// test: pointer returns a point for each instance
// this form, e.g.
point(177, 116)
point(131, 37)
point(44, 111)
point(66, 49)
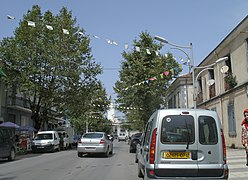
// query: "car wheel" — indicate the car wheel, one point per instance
point(140, 175)
point(12, 155)
point(106, 154)
point(111, 152)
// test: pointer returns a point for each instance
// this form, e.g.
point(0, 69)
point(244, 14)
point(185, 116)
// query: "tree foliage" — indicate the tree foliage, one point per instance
point(53, 70)
point(142, 83)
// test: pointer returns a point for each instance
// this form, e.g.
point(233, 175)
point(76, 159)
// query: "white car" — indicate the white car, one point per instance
point(122, 137)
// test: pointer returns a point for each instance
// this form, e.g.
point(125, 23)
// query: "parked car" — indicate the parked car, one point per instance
point(46, 141)
point(7, 143)
point(135, 139)
point(183, 143)
point(95, 143)
point(75, 139)
point(122, 137)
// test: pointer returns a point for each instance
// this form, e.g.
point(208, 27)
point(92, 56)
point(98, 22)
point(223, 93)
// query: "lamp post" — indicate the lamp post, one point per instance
point(204, 68)
point(190, 57)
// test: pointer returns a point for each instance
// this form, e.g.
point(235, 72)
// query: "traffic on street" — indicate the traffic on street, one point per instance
point(66, 165)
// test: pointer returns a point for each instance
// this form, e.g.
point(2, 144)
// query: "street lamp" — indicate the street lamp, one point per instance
point(204, 68)
point(179, 47)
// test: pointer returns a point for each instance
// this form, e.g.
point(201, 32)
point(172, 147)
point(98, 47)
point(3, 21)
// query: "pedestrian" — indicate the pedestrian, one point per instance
point(244, 133)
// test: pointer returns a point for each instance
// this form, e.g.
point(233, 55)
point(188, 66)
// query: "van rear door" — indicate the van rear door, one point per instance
point(210, 150)
point(176, 154)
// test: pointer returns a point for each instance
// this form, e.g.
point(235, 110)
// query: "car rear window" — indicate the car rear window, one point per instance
point(178, 129)
point(207, 130)
point(93, 135)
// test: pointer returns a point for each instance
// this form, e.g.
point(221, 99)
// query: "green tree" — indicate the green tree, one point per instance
point(48, 66)
point(144, 77)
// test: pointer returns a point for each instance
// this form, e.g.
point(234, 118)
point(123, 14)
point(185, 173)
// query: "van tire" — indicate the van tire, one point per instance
point(140, 175)
point(12, 155)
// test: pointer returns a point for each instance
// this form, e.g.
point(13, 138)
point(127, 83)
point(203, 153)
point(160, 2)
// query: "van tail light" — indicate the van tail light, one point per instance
point(223, 146)
point(102, 141)
point(153, 147)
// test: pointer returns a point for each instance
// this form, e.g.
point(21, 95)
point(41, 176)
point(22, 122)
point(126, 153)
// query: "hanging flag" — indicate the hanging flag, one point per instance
point(10, 17)
point(166, 73)
point(161, 75)
point(49, 27)
point(65, 31)
point(137, 48)
point(96, 37)
point(81, 33)
point(126, 46)
point(152, 78)
point(109, 41)
point(31, 23)
point(148, 51)
point(115, 43)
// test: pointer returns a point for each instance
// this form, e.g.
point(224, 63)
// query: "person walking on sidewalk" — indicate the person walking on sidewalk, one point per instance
point(244, 133)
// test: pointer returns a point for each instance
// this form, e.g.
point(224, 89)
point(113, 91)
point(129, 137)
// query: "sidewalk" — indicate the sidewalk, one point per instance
point(236, 159)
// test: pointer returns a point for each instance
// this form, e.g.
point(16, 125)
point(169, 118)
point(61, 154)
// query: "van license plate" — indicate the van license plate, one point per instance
point(176, 155)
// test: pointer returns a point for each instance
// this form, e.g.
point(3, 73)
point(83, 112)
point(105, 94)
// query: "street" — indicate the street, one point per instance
point(65, 165)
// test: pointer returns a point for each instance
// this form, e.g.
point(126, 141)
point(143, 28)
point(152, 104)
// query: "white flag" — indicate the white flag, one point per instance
point(148, 51)
point(137, 48)
point(115, 43)
point(65, 31)
point(31, 23)
point(81, 33)
point(126, 46)
point(10, 17)
point(49, 27)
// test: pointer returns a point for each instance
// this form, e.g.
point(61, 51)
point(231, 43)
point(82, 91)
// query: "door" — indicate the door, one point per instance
point(210, 153)
point(176, 154)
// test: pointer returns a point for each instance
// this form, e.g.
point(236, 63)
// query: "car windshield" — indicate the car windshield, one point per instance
point(44, 136)
point(93, 135)
point(177, 129)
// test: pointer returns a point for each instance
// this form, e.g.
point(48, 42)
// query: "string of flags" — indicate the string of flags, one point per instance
point(161, 75)
point(108, 41)
point(119, 107)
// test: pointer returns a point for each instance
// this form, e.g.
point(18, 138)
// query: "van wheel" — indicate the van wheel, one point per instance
point(12, 155)
point(140, 175)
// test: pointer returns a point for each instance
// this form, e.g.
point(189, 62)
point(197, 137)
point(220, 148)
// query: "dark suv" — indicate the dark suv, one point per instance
point(7, 143)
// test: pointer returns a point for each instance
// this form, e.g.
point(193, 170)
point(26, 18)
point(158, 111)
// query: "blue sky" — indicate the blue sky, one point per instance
point(205, 23)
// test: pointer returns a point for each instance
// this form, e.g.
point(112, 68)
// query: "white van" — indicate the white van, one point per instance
point(46, 141)
point(183, 144)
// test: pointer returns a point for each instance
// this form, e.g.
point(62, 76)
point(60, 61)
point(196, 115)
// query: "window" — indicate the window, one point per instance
point(231, 120)
point(148, 133)
point(207, 130)
point(177, 129)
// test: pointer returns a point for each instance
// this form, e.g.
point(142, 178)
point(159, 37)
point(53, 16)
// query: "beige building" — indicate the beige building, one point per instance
point(221, 85)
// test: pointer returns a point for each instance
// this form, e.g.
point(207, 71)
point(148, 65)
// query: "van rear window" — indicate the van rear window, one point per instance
point(207, 130)
point(178, 129)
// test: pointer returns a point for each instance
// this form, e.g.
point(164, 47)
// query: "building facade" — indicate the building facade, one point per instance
point(223, 85)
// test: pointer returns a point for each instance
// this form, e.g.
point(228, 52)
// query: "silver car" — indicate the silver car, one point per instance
point(95, 143)
point(183, 144)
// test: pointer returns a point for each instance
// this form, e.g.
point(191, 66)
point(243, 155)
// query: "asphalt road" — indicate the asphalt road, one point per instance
point(65, 165)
